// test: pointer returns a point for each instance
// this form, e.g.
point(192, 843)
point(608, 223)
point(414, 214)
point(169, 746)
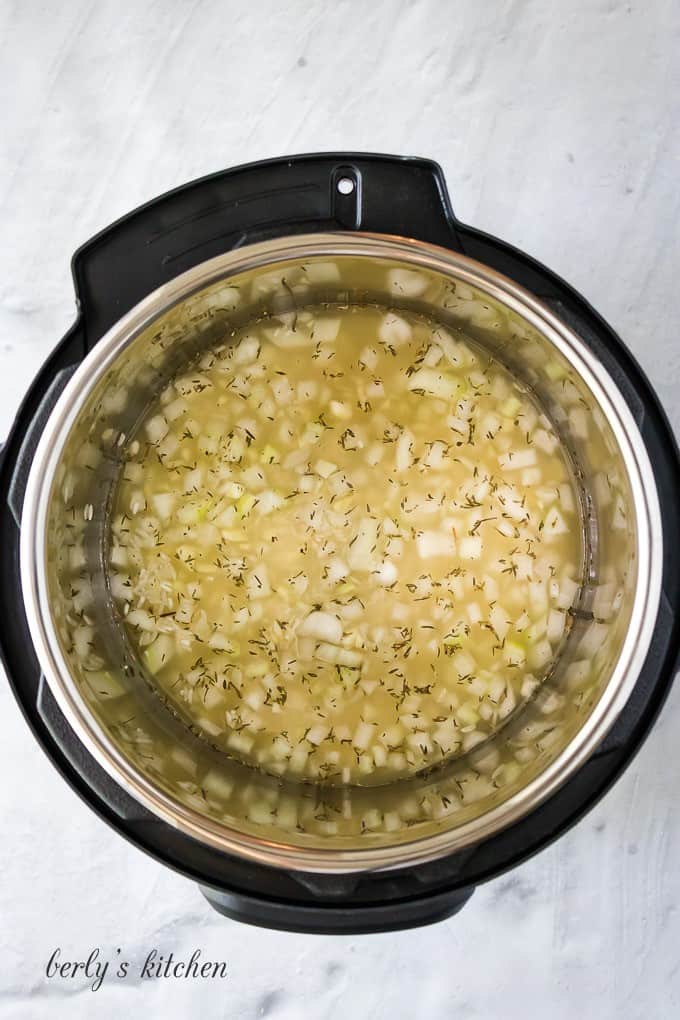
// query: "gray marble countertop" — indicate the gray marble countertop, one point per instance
point(558, 127)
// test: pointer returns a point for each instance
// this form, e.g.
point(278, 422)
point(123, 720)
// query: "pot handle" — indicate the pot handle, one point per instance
point(337, 918)
point(298, 194)
point(16, 454)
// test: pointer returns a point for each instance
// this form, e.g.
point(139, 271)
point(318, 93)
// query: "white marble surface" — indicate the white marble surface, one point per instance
point(558, 129)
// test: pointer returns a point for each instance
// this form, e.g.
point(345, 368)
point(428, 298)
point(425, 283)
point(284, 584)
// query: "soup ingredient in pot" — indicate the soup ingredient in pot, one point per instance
point(345, 545)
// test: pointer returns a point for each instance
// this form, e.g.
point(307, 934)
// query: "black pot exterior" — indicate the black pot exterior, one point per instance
point(152, 245)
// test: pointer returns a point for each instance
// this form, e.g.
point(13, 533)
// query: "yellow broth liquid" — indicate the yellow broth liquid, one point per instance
point(345, 544)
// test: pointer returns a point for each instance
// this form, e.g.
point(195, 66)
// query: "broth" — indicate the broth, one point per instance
point(345, 544)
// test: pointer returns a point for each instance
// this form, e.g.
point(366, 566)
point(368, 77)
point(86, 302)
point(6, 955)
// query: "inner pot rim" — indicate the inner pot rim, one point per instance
point(649, 550)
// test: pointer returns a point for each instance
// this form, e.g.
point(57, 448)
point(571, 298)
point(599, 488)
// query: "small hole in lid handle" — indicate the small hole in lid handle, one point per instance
point(345, 185)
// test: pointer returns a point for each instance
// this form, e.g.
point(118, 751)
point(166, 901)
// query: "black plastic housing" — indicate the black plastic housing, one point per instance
point(162, 239)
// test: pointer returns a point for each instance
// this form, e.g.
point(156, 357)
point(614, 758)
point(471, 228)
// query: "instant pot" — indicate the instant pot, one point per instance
point(153, 290)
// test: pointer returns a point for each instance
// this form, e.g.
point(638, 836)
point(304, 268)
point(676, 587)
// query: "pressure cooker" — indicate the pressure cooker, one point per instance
point(152, 290)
